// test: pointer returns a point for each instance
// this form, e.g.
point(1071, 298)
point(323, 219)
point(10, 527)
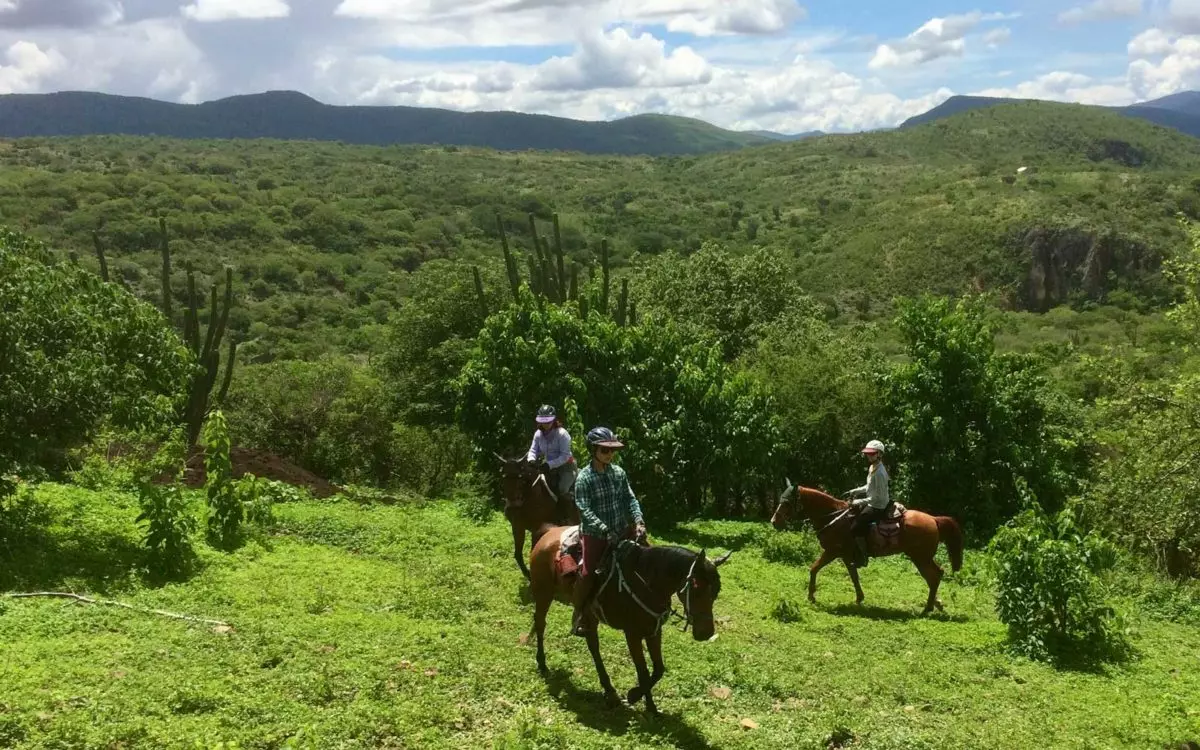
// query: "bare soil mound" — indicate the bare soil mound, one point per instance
point(263, 464)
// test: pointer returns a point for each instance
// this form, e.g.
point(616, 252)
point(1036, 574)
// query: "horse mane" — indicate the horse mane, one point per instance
point(823, 496)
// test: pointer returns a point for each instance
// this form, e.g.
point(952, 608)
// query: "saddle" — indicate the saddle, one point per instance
point(570, 552)
point(884, 533)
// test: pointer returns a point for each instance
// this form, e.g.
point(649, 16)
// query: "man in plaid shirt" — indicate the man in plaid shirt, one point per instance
point(608, 511)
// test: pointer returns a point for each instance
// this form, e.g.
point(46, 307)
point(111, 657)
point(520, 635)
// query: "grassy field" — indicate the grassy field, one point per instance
point(403, 627)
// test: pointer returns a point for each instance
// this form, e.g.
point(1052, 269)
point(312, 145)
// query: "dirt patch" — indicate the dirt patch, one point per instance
point(263, 464)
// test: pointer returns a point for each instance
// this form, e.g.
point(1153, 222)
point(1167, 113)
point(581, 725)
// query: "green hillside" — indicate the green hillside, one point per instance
point(291, 115)
point(325, 235)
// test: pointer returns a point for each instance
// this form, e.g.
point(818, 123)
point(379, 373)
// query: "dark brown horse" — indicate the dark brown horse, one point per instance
point(529, 504)
point(918, 537)
point(654, 575)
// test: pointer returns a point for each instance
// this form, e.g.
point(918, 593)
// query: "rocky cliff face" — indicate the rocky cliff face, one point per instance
point(1067, 263)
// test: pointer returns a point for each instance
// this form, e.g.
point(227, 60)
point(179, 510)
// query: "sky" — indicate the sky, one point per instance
point(778, 65)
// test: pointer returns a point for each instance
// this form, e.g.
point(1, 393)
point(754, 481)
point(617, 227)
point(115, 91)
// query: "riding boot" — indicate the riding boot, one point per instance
point(584, 621)
point(860, 545)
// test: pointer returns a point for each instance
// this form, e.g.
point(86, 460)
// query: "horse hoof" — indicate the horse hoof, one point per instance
point(612, 699)
point(633, 696)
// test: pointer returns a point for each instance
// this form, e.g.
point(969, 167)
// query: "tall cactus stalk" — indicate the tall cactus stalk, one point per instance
point(562, 271)
point(100, 255)
point(207, 354)
point(510, 265)
point(623, 304)
point(164, 247)
point(604, 280)
point(483, 308)
point(573, 292)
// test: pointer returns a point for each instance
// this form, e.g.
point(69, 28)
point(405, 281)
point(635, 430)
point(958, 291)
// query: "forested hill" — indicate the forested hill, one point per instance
point(329, 239)
point(1179, 111)
point(290, 115)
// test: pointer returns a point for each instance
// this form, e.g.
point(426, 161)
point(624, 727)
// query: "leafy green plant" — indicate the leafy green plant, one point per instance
point(165, 513)
point(225, 508)
point(257, 498)
point(1050, 596)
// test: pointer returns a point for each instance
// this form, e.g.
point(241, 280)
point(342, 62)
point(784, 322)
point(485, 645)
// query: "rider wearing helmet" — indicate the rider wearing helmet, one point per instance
point(608, 512)
point(872, 500)
point(553, 443)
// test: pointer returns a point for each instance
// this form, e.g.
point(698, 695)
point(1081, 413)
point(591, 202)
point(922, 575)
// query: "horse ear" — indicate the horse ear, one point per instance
point(700, 556)
point(722, 559)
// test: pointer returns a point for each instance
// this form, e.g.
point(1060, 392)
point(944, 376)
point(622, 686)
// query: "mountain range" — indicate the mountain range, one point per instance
point(289, 115)
point(1180, 111)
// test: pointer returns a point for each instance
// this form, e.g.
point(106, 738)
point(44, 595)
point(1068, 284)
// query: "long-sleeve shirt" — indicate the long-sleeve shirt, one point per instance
point(876, 489)
point(554, 444)
point(606, 501)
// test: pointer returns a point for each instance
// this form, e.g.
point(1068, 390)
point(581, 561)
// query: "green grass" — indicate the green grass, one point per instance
point(402, 627)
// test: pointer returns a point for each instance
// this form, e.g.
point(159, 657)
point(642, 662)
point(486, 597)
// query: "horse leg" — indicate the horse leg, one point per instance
point(539, 625)
point(853, 571)
point(644, 680)
point(610, 693)
point(932, 572)
point(518, 532)
point(825, 558)
point(654, 646)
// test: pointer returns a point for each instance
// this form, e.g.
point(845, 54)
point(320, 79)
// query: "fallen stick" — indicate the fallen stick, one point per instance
point(88, 600)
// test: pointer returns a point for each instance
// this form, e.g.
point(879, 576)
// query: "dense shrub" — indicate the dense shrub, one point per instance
point(1050, 596)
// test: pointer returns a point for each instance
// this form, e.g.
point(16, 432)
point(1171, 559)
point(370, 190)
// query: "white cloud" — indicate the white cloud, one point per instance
point(225, 10)
point(1064, 86)
point(1165, 63)
point(1183, 16)
point(617, 60)
point(997, 37)
point(27, 65)
point(936, 38)
point(1101, 10)
point(740, 17)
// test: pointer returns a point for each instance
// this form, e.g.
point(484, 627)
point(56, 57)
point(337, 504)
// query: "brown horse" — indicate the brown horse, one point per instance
point(634, 595)
point(529, 504)
point(918, 537)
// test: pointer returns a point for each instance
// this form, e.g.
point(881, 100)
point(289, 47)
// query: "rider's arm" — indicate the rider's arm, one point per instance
point(535, 448)
point(585, 494)
point(635, 508)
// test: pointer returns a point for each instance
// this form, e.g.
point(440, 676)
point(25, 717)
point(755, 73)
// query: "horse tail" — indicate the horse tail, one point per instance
point(951, 534)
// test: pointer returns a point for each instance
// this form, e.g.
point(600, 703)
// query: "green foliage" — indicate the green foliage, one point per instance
point(329, 416)
point(970, 427)
point(699, 434)
point(793, 548)
point(225, 509)
point(713, 291)
point(1049, 594)
point(824, 384)
point(257, 497)
point(165, 513)
point(76, 354)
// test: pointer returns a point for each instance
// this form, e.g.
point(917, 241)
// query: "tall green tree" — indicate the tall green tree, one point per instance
point(76, 354)
point(969, 424)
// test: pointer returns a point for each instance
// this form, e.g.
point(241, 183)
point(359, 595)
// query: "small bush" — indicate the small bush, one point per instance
point(791, 547)
point(225, 511)
point(472, 497)
point(165, 512)
point(1049, 594)
point(787, 610)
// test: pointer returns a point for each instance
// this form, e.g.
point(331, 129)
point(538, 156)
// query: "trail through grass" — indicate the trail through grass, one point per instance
point(404, 626)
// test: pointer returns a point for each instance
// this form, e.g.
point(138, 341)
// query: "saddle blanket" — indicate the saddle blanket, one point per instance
point(570, 551)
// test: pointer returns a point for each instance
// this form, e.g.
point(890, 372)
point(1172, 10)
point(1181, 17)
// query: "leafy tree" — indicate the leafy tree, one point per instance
point(75, 354)
point(967, 423)
point(730, 297)
point(700, 435)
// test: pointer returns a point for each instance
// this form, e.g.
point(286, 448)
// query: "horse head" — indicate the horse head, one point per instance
point(785, 509)
point(698, 593)
point(516, 475)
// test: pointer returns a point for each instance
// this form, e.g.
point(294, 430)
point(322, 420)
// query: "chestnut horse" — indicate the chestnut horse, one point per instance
point(529, 504)
point(919, 536)
point(634, 595)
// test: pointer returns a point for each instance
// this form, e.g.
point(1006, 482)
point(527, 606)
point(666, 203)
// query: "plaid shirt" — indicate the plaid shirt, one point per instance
point(606, 501)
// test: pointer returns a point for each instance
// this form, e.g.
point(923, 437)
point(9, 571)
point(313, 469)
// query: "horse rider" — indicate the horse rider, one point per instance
point(872, 501)
point(608, 512)
point(552, 442)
